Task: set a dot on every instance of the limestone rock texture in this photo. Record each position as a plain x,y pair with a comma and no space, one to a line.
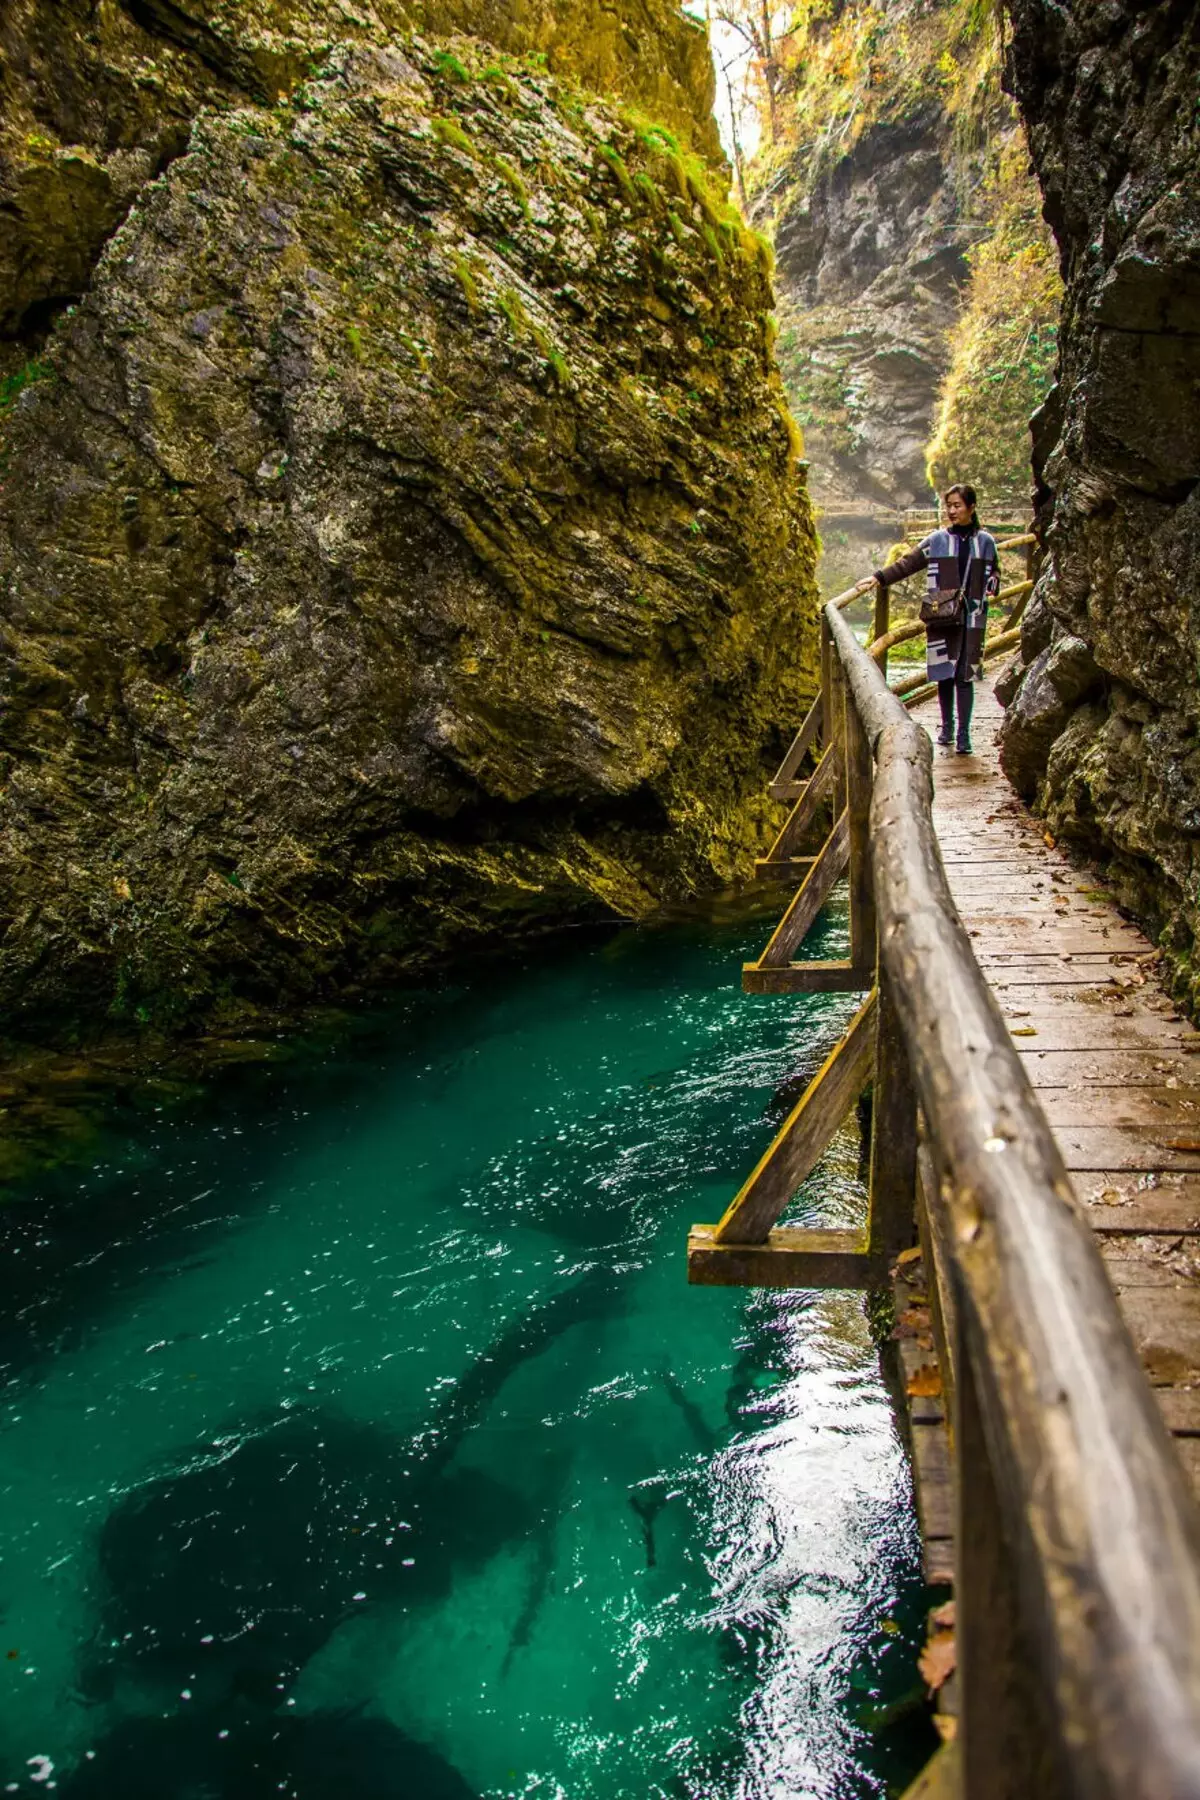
97,96
1111,750
403,540
918,282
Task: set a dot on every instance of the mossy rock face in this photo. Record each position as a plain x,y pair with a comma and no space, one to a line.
1116,768
94,100
392,551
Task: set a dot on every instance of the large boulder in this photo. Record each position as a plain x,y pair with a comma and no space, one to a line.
403,540
97,99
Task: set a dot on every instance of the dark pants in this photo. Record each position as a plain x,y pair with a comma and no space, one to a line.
965,692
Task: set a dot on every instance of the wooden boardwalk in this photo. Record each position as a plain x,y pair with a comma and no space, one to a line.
1116,1069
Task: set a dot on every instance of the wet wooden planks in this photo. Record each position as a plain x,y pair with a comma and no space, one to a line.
1116,1066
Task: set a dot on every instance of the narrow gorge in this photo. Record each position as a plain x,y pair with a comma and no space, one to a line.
402,534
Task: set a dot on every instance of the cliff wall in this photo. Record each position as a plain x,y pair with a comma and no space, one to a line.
919,290
1103,727
97,96
401,540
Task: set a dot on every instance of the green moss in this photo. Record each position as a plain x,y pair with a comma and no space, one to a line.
467,281
645,184
447,65
713,241
617,166
678,228
13,386
513,180
510,305
354,339
1005,347
449,131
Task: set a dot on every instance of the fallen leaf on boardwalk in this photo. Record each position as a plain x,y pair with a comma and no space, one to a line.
912,1320
1183,1143
946,1726
924,1383
907,1256
1049,840
937,1660
943,1618
1023,1031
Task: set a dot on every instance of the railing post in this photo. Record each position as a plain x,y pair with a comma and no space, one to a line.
828,726
860,777
893,1135
881,627
1005,1735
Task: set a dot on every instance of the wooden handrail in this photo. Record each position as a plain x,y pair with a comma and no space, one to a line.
1058,1434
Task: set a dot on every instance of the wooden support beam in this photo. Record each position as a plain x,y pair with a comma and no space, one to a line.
787,868
818,793
879,626
891,1224
805,738
816,888
791,1258
860,777
808,978
803,1138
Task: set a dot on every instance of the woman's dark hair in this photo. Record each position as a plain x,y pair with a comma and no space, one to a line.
966,495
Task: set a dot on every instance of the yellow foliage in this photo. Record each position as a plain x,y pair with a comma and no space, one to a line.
1006,344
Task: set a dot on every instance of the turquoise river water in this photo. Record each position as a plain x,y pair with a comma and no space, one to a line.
361,1436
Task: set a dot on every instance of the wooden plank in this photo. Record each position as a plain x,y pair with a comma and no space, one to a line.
891,1221
807,978
803,1138
1050,1069
785,868
1165,1326
1159,1110
789,1258
940,1779
1088,1031
1085,1147
933,1480
803,816
1180,1408
816,888
803,741
860,777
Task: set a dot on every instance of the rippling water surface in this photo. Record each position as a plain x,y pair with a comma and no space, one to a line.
361,1436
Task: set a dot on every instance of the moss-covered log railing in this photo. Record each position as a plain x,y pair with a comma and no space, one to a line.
1077,1541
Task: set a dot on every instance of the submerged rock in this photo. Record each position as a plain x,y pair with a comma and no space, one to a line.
403,540
1108,93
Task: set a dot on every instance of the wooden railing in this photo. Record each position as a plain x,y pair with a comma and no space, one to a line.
1077,1542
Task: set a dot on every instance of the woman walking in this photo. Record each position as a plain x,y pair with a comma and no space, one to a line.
964,574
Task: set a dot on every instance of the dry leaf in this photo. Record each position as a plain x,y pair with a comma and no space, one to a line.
946,1726
1023,1031
912,1320
942,1618
908,1256
924,1383
1048,840
1183,1143
937,1660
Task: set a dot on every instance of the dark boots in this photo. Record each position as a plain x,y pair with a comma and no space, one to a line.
948,693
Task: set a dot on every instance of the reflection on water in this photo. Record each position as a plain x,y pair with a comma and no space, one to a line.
361,1435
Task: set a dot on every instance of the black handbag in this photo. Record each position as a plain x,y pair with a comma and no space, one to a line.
943,606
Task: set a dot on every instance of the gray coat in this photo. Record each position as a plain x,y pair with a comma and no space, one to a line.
953,652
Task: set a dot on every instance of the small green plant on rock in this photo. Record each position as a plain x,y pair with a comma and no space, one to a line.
467,281
617,165
449,131
447,65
